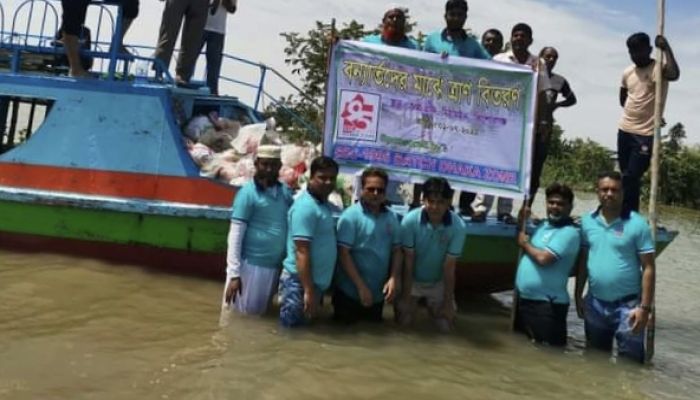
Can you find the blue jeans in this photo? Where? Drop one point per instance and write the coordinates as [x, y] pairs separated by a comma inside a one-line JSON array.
[[292, 300], [215, 49], [634, 156], [606, 321]]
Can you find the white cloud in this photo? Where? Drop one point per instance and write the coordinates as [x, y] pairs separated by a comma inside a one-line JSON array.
[[589, 35]]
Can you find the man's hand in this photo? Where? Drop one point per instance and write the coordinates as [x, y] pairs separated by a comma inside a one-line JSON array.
[[309, 304], [365, 295], [232, 290], [638, 319], [662, 43], [523, 238], [580, 307], [389, 290]]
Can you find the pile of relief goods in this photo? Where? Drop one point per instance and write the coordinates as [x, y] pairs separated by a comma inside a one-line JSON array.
[[225, 150]]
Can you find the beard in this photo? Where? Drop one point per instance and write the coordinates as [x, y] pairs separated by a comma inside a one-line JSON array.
[[393, 35]]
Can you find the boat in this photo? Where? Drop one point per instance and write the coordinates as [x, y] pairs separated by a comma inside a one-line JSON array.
[[106, 174]]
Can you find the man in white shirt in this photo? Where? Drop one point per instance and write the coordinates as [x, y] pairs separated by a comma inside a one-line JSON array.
[[214, 38], [520, 41]]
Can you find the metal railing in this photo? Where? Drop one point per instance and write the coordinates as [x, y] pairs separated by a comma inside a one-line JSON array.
[[113, 65]]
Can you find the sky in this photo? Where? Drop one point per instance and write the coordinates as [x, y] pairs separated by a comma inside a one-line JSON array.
[[589, 34]]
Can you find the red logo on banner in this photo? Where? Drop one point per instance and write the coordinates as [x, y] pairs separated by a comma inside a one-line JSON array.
[[357, 114]]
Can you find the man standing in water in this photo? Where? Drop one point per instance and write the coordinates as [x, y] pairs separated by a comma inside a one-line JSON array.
[[369, 248], [543, 271], [311, 247], [617, 260], [635, 137], [453, 40], [257, 236], [433, 238], [545, 116]]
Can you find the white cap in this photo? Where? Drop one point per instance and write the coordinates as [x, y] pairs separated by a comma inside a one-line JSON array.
[[269, 151]]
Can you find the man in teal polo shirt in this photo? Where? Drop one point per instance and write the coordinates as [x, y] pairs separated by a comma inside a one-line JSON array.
[[257, 236], [543, 271], [433, 238], [617, 260], [393, 30], [369, 249], [454, 40], [311, 246]]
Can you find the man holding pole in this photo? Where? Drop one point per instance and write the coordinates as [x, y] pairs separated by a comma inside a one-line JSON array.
[[617, 260], [635, 136]]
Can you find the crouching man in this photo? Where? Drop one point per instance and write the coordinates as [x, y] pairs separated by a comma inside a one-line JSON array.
[[432, 237]]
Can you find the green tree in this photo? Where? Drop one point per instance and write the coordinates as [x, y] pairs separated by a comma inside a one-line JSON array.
[[301, 115], [679, 171], [575, 162]]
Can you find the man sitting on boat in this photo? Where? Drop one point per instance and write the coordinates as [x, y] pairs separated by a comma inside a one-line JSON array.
[[543, 271], [369, 247], [257, 236], [433, 238], [617, 260], [311, 247]]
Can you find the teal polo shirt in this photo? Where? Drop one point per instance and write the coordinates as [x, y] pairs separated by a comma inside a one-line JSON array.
[[311, 220], [406, 43], [371, 239], [548, 282], [264, 211], [614, 266], [431, 244], [440, 42]]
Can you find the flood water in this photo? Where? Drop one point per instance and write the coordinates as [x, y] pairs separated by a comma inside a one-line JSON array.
[[81, 329]]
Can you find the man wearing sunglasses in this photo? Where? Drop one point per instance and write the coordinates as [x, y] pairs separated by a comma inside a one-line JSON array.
[[369, 250]]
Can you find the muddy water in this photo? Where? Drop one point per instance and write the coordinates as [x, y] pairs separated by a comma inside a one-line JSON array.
[[82, 329]]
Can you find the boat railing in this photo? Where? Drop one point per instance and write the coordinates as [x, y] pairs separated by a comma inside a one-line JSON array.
[[33, 33]]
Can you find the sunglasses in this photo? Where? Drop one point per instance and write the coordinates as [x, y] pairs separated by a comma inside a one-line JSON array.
[[375, 190]]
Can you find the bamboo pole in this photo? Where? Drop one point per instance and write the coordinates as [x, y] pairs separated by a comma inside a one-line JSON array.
[[655, 161]]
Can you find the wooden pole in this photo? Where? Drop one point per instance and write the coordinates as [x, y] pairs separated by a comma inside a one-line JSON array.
[[655, 161]]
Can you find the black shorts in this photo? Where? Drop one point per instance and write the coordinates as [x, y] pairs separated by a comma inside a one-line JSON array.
[[74, 12], [542, 321], [130, 8], [349, 311]]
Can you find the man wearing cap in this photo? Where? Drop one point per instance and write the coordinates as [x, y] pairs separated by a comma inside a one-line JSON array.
[[394, 29], [257, 236]]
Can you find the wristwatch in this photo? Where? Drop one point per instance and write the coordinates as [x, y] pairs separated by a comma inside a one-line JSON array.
[[646, 308]]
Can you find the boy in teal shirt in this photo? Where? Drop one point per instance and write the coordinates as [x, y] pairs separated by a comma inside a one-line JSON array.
[[311, 247], [432, 237], [454, 40], [369, 248], [543, 271]]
